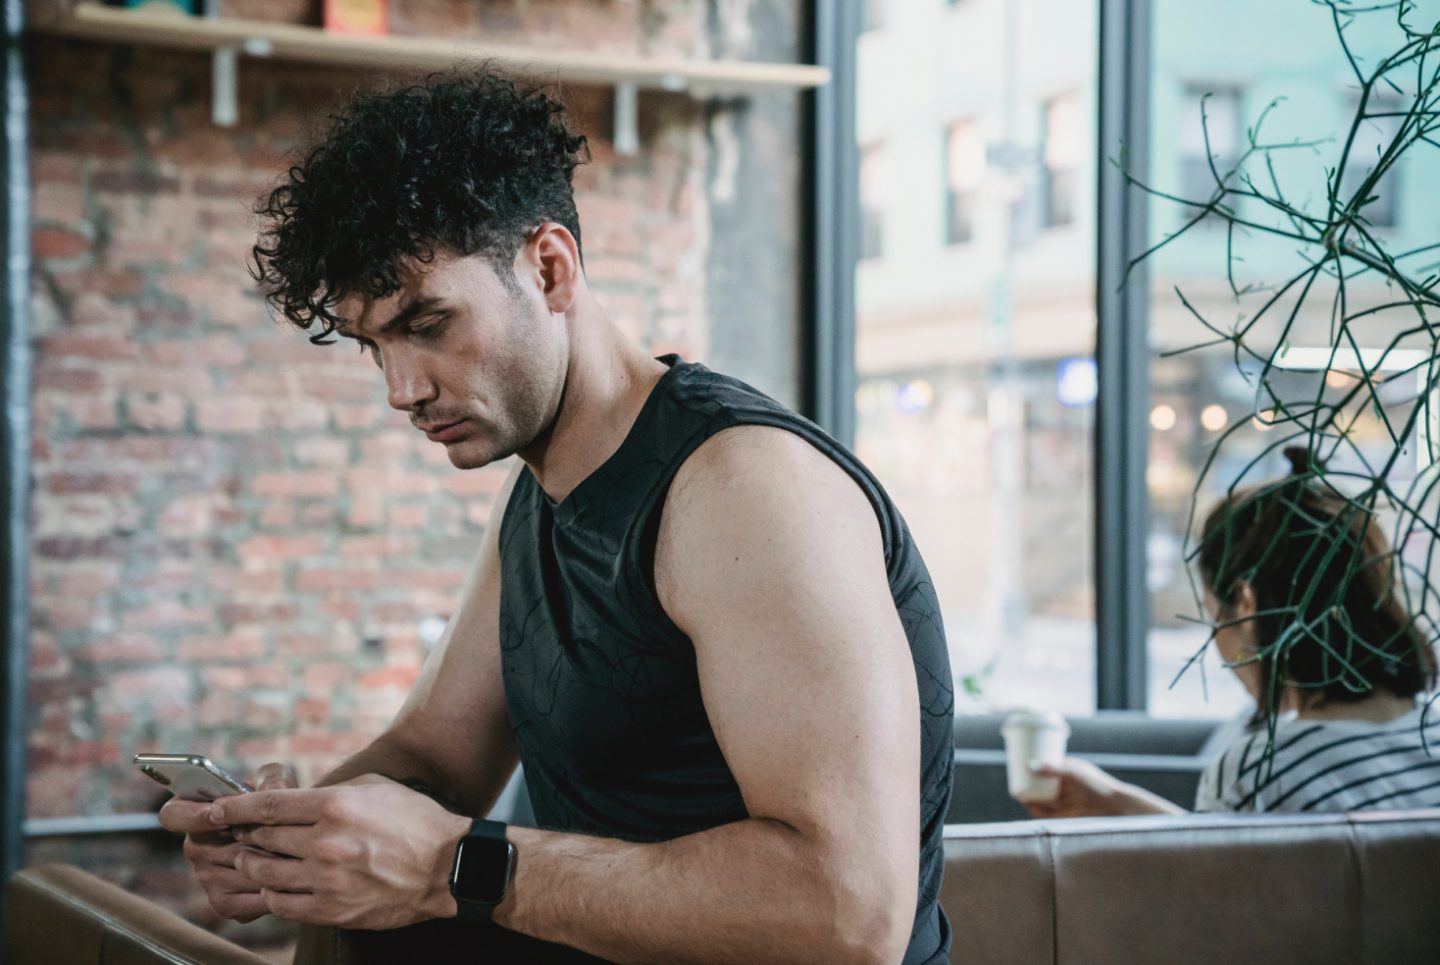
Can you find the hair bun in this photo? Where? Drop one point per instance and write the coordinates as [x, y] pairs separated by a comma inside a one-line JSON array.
[[1303, 461]]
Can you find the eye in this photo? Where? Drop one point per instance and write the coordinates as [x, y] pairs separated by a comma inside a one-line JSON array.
[[367, 347], [428, 328]]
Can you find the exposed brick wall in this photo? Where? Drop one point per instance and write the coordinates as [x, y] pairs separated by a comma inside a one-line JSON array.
[[234, 540]]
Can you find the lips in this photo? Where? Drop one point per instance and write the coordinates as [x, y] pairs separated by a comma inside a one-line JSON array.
[[444, 432]]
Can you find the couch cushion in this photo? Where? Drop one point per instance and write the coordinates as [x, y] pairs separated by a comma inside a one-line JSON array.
[[1197, 889]]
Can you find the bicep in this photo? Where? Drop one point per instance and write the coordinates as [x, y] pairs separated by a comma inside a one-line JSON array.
[[770, 559], [455, 715]]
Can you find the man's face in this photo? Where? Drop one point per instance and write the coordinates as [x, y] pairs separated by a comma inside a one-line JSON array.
[[478, 366]]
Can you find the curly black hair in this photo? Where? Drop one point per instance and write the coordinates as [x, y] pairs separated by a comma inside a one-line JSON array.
[[466, 162]]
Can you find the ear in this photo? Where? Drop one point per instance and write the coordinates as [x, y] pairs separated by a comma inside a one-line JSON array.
[[1243, 605], [552, 258]]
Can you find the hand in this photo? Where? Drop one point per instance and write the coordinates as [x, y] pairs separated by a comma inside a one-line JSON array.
[[1087, 791], [211, 849], [369, 853]]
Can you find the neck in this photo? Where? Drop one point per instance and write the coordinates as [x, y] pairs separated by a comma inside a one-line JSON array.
[[1380, 707], [607, 381]]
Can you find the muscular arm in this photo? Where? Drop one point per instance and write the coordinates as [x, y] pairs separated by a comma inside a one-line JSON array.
[[453, 732], [770, 559]]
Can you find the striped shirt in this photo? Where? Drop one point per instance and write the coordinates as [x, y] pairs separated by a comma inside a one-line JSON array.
[[1329, 765]]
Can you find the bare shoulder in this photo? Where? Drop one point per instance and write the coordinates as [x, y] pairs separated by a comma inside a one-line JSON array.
[[756, 509], [752, 464]]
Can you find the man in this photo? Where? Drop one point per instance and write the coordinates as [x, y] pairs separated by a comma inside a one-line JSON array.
[[698, 622]]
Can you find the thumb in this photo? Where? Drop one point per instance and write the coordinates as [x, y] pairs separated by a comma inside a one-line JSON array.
[[1045, 769], [273, 776]]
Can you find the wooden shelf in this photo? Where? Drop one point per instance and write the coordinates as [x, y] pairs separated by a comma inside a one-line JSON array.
[[91, 21]]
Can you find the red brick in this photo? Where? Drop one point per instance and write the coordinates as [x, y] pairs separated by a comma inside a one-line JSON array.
[[236, 613], [474, 482], [233, 581], [243, 644], [58, 243], [72, 482], [407, 517], [392, 483], [323, 452], [229, 415], [339, 608], [367, 509], [377, 547], [88, 346], [402, 677], [94, 280], [327, 578], [162, 614], [314, 710], [57, 201], [222, 352], [358, 416], [133, 182], [121, 648], [278, 514], [314, 644], [50, 377], [295, 416], [322, 678], [295, 484], [155, 411]]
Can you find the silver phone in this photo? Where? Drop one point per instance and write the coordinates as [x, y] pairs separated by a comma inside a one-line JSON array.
[[190, 777]]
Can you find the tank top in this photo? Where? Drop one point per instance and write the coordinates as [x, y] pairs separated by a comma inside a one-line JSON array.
[[601, 686]]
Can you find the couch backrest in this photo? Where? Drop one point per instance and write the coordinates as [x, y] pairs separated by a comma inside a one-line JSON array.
[[58, 913], [1358, 889]]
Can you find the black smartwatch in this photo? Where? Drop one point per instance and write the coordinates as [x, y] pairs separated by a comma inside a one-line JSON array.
[[484, 862]]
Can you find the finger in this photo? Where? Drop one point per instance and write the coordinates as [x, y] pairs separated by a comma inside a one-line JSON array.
[[226, 881], [270, 872], [283, 806], [295, 907], [273, 776], [286, 840], [202, 854], [243, 906], [188, 817]]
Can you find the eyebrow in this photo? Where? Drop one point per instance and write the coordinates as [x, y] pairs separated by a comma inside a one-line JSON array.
[[406, 314]]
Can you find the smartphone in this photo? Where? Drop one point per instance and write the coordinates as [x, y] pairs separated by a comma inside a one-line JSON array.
[[190, 776]]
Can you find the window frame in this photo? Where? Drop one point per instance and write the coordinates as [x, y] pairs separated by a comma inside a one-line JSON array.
[[1122, 604]]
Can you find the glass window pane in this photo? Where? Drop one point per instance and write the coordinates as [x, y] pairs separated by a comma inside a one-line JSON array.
[[976, 331], [1287, 67]]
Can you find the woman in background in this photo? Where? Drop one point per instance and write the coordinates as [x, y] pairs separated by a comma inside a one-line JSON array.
[[1301, 585]]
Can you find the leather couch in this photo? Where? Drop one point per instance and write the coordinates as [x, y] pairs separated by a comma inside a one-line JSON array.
[[1337, 889], [59, 915], [1360, 889]]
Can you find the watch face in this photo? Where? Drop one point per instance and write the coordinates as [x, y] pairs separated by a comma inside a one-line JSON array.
[[482, 869]]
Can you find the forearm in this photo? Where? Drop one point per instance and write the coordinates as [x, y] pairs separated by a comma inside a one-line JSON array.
[[756, 891], [1131, 799], [384, 755]]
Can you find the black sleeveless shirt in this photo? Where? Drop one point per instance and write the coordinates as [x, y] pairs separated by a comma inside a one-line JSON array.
[[601, 686]]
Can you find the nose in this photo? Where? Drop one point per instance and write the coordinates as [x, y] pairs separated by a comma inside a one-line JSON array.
[[407, 385]]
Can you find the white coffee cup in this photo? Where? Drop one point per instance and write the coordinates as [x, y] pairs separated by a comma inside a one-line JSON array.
[[1033, 737]]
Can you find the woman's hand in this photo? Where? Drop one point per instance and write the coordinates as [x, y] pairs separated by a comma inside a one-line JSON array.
[[1087, 791]]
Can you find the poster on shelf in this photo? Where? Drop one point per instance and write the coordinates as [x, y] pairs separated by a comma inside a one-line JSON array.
[[357, 16]]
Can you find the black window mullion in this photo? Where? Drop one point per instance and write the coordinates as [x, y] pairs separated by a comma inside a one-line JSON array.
[[1122, 605], [832, 229]]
